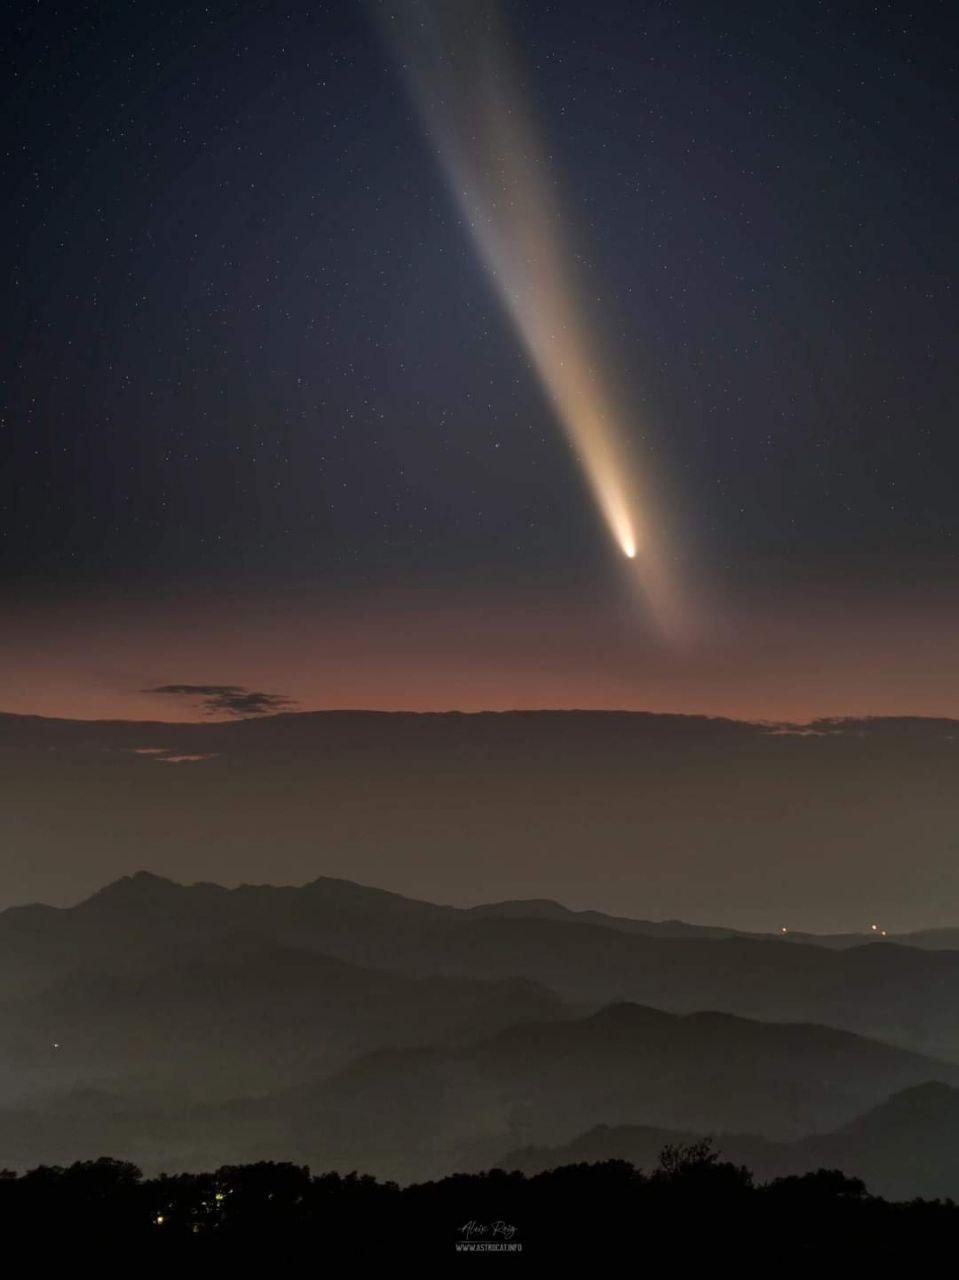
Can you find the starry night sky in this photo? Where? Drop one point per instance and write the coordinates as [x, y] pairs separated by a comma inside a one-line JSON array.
[[258, 391]]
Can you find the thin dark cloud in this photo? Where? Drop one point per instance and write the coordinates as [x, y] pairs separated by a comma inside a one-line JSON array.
[[227, 699]]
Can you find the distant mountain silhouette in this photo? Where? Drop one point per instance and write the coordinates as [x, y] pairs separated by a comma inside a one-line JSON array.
[[545, 909], [421, 1112], [640, 815], [232, 1015], [906, 1146], [344, 1026], [905, 995]]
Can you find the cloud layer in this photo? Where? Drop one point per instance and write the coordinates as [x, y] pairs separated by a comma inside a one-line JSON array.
[[228, 699]]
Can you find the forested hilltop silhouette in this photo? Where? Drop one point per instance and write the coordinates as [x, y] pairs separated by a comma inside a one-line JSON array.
[[693, 1207]]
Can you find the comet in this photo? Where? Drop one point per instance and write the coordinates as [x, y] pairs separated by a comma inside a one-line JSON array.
[[468, 86]]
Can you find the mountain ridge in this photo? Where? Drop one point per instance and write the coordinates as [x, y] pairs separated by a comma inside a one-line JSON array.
[[905, 1146], [679, 813], [882, 989], [409, 1112], [143, 882]]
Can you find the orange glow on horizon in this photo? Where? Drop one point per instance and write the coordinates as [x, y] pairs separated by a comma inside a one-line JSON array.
[[783, 658]]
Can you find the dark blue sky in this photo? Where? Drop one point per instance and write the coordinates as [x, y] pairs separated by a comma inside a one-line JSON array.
[[245, 333]]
